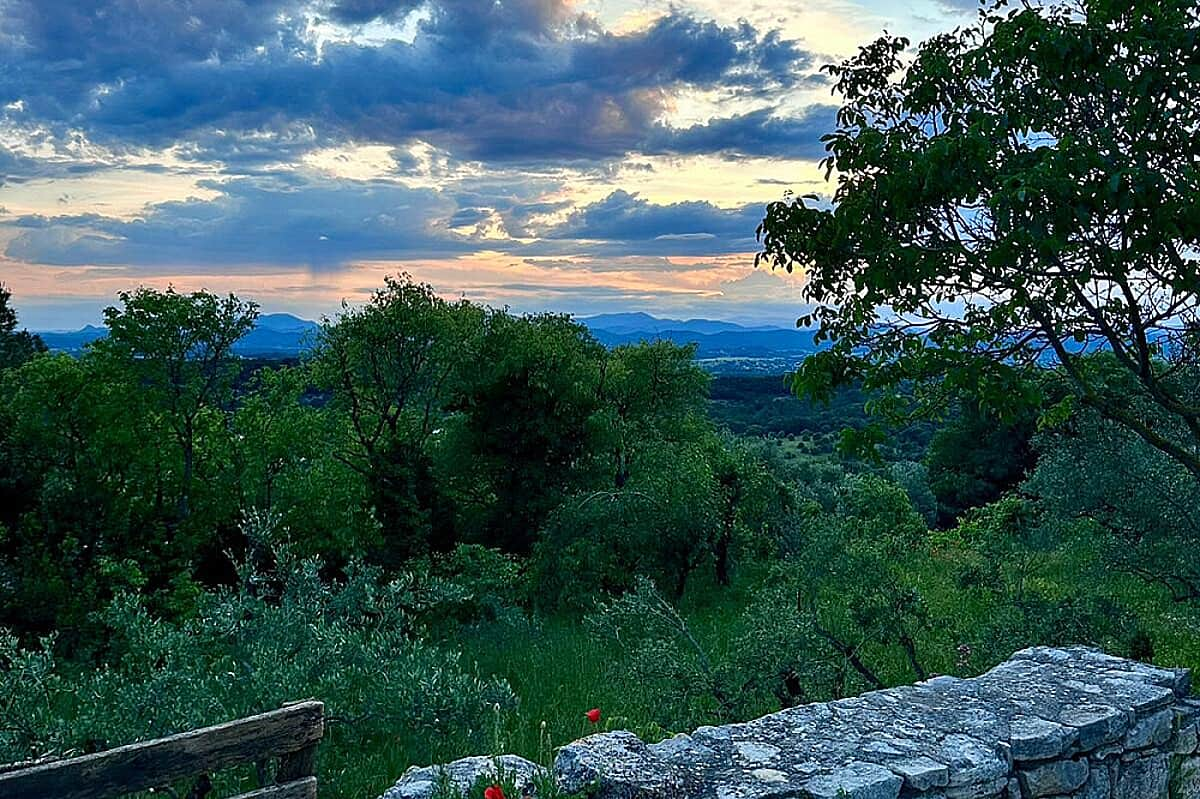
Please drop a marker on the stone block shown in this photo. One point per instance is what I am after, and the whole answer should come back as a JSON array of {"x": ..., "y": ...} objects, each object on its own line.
[
  {"x": 1154, "y": 730},
  {"x": 1049, "y": 723},
  {"x": 420, "y": 782},
  {"x": 1053, "y": 777},
  {"x": 1144, "y": 778}
]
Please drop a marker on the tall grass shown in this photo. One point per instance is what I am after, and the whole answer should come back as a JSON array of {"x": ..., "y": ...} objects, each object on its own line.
[{"x": 560, "y": 671}]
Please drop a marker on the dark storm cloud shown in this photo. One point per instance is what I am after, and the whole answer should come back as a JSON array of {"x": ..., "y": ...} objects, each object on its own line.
[
  {"x": 60, "y": 54},
  {"x": 280, "y": 220},
  {"x": 277, "y": 221},
  {"x": 525, "y": 86},
  {"x": 17, "y": 168},
  {"x": 679, "y": 48},
  {"x": 630, "y": 224},
  {"x": 520, "y": 81},
  {"x": 758, "y": 133},
  {"x": 360, "y": 11},
  {"x": 469, "y": 216},
  {"x": 13, "y": 166}
]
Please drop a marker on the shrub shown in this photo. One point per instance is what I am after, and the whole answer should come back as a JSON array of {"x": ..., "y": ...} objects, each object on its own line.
[{"x": 280, "y": 635}]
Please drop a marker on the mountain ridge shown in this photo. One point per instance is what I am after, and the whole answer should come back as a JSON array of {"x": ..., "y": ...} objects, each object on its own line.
[{"x": 284, "y": 334}]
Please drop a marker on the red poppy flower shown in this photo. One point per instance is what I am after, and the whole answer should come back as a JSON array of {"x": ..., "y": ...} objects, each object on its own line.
[
  {"x": 593, "y": 715},
  {"x": 493, "y": 792}
]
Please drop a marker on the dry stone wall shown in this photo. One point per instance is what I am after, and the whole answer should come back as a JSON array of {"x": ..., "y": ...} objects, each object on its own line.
[{"x": 1046, "y": 723}]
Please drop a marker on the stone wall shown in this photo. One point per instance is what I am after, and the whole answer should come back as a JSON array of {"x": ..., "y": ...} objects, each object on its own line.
[{"x": 1046, "y": 723}]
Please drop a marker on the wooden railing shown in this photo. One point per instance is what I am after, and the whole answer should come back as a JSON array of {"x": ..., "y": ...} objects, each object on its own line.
[{"x": 290, "y": 734}]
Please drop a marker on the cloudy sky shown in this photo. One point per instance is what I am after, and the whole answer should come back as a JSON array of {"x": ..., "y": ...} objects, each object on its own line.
[{"x": 570, "y": 155}]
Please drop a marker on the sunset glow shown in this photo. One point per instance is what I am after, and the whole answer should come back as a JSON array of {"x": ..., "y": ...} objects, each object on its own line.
[{"x": 542, "y": 154}]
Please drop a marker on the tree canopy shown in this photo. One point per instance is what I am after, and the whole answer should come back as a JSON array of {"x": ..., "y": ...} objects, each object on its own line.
[
  {"x": 1020, "y": 192},
  {"x": 16, "y": 346}
]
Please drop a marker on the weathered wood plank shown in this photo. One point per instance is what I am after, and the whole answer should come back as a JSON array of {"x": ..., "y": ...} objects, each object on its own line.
[
  {"x": 298, "y": 789},
  {"x": 293, "y": 766},
  {"x": 137, "y": 767},
  {"x": 24, "y": 764}
]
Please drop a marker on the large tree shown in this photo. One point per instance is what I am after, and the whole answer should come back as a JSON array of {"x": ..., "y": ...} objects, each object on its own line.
[
  {"x": 179, "y": 349},
  {"x": 1016, "y": 193},
  {"x": 393, "y": 366}
]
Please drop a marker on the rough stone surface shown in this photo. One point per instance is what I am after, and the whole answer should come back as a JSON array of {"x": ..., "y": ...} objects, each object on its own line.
[
  {"x": 1153, "y": 730},
  {"x": 1186, "y": 781},
  {"x": 1187, "y": 739},
  {"x": 1072, "y": 723},
  {"x": 1053, "y": 778},
  {"x": 420, "y": 782},
  {"x": 1144, "y": 778},
  {"x": 1032, "y": 738}
]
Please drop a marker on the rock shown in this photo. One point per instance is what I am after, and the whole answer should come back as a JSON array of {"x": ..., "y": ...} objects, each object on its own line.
[
  {"x": 1154, "y": 730},
  {"x": 420, "y": 782},
  {"x": 921, "y": 773},
  {"x": 1095, "y": 724},
  {"x": 1186, "y": 740},
  {"x": 1178, "y": 680},
  {"x": 978, "y": 790},
  {"x": 1048, "y": 723},
  {"x": 1037, "y": 739},
  {"x": 1053, "y": 777},
  {"x": 1143, "y": 778},
  {"x": 624, "y": 766},
  {"x": 855, "y": 780},
  {"x": 1098, "y": 785}
]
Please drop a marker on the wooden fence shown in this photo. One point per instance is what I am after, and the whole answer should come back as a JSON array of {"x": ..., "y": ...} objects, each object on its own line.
[{"x": 290, "y": 734}]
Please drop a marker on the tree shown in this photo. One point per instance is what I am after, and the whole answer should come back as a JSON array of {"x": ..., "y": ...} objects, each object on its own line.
[
  {"x": 1137, "y": 504},
  {"x": 287, "y": 466},
  {"x": 81, "y": 482},
  {"x": 661, "y": 524},
  {"x": 16, "y": 346},
  {"x": 394, "y": 366},
  {"x": 857, "y": 577},
  {"x": 1023, "y": 191},
  {"x": 530, "y": 421},
  {"x": 1019, "y": 579},
  {"x": 650, "y": 391},
  {"x": 976, "y": 457},
  {"x": 178, "y": 348},
  {"x": 752, "y": 500}
]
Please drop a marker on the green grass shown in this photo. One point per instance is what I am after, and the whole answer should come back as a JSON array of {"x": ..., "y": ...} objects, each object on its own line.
[{"x": 560, "y": 671}]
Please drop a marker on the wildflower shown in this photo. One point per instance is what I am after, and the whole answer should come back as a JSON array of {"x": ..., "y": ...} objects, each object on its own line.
[
  {"x": 593, "y": 715},
  {"x": 493, "y": 792}
]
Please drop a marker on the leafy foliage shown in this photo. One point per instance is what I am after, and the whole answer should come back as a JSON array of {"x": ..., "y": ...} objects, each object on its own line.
[
  {"x": 976, "y": 457},
  {"x": 1008, "y": 266},
  {"x": 16, "y": 346},
  {"x": 274, "y": 636},
  {"x": 1015, "y": 193},
  {"x": 1139, "y": 505}
]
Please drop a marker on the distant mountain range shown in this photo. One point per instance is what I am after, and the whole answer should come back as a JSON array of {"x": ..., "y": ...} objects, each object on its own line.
[
  {"x": 282, "y": 335},
  {"x": 713, "y": 339},
  {"x": 274, "y": 335}
]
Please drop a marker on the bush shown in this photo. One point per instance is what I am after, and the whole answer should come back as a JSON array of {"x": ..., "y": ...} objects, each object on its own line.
[{"x": 277, "y": 636}]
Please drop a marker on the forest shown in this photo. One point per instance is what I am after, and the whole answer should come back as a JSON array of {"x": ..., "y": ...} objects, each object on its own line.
[{"x": 464, "y": 529}]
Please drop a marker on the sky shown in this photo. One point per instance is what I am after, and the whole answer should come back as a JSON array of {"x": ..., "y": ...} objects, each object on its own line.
[{"x": 581, "y": 156}]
